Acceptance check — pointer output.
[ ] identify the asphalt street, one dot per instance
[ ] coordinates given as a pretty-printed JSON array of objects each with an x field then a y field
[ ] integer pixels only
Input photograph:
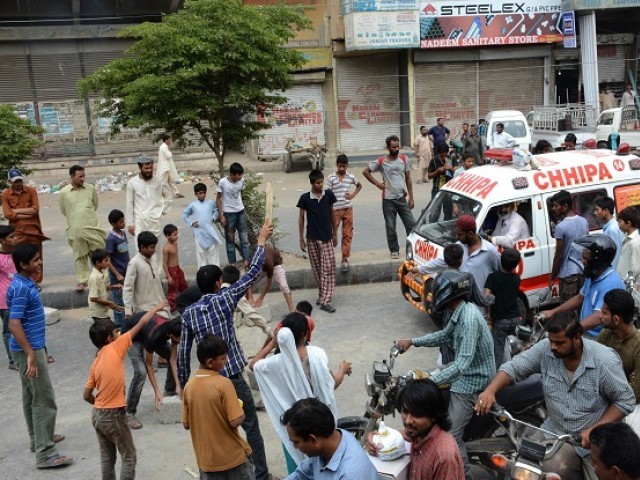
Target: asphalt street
[
  {"x": 368, "y": 318},
  {"x": 369, "y": 226}
]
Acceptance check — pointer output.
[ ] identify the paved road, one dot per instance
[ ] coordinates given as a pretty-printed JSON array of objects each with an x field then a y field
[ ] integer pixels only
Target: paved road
[
  {"x": 369, "y": 317},
  {"x": 369, "y": 226}
]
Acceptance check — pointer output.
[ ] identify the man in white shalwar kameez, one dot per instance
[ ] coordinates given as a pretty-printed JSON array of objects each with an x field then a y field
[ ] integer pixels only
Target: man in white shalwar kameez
[
  {"x": 166, "y": 170},
  {"x": 283, "y": 381},
  {"x": 147, "y": 201}
]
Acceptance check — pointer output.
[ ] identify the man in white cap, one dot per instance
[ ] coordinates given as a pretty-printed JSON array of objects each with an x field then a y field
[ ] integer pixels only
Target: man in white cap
[{"x": 147, "y": 200}]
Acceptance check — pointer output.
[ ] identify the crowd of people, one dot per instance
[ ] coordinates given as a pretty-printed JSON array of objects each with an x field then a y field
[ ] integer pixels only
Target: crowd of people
[{"x": 590, "y": 364}]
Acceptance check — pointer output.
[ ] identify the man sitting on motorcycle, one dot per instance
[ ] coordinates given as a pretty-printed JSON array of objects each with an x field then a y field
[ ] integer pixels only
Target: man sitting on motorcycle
[
  {"x": 584, "y": 386},
  {"x": 434, "y": 453},
  {"x": 474, "y": 363}
]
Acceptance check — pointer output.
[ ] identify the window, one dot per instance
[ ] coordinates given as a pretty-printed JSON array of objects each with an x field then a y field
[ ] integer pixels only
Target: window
[
  {"x": 437, "y": 222},
  {"x": 515, "y": 128},
  {"x": 606, "y": 119},
  {"x": 626, "y": 196},
  {"x": 583, "y": 205}
]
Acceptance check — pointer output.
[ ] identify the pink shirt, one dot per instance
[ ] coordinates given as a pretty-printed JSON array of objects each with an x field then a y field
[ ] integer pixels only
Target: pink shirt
[{"x": 7, "y": 270}]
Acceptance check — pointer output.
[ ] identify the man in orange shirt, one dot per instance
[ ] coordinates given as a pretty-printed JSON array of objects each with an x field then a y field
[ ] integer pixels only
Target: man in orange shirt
[{"x": 20, "y": 206}]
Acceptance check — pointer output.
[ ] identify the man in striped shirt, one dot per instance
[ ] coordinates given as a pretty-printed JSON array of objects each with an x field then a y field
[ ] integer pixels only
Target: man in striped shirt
[
  {"x": 27, "y": 344},
  {"x": 213, "y": 313},
  {"x": 340, "y": 183}
]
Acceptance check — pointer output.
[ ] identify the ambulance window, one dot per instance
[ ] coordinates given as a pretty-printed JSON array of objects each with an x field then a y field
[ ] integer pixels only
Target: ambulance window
[
  {"x": 584, "y": 205},
  {"x": 606, "y": 119},
  {"x": 626, "y": 196}
]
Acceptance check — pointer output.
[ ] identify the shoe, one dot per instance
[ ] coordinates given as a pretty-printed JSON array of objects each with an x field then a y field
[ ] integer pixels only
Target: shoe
[
  {"x": 53, "y": 462},
  {"x": 327, "y": 307},
  {"x": 318, "y": 301},
  {"x": 345, "y": 265},
  {"x": 12, "y": 366},
  {"x": 395, "y": 255},
  {"x": 260, "y": 405},
  {"x": 133, "y": 422}
]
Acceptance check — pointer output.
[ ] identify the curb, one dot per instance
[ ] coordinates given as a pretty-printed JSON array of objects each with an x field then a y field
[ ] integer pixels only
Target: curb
[{"x": 298, "y": 278}]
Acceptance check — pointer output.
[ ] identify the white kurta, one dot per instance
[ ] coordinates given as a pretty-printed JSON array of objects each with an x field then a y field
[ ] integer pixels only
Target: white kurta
[
  {"x": 166, "y": 168},
  {"x": 147, "y": 201},
  {"x": 282, "y": 382}
]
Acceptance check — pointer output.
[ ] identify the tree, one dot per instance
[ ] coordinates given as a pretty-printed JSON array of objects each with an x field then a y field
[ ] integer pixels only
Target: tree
[
  {"x": 202, "y": 73},
  {"x": 18, "y": 139}
]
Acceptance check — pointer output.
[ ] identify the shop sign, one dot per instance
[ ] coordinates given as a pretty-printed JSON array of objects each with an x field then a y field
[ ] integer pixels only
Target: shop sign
[
  {"x": 569, "y": 30},
  {"x": 315, "y": 58},
  {"x": 598, "y": 4},
  {"x": 472, "y": 23},
  {"x": 349, "y": 6},
  {"x": 381, "y": 30}
]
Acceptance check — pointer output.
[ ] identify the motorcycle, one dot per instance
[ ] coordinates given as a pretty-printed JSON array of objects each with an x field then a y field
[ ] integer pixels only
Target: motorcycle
[
  {"x": 524, "y": 400},
  {"x": 523, "y": 458}
]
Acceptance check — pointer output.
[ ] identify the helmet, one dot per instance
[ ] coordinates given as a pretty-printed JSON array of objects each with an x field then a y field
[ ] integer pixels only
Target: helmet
[
  {"x": 448, "y": 286},
  {"x": 602, "y": 249},
  {"x": 590, "y": 144}
]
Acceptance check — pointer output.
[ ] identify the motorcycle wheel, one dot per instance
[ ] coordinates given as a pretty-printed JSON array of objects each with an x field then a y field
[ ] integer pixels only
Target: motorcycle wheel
[{"x": 355, "y": 425}]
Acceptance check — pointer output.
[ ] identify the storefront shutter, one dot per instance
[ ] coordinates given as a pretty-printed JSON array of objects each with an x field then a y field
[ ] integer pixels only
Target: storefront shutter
[
  {"x": 15, "y": 85},
  {"x": 446, "y": 90},
  {"x": 611, "y": 63},
  {"x": 368, "y": 101},
  {"x": 300, "y": 119}
]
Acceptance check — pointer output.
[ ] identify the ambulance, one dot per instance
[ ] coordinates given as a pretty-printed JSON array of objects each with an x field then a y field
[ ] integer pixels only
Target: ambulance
[{"x": 480, "y": 191}]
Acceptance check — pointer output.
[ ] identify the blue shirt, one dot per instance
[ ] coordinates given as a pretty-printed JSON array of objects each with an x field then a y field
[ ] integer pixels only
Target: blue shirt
[
  {"x": 594, "y": 291},
  {"x": 598, "y": 382},
  {"x": 118, "y": 249},
  {"x": 568, "y": 230},
  {"x": 439, "y": 136},
  {"x": 213, "y": 313},
  {"x": 205, "y": 213},
  {"x": 24, "y": 304},
  {"x": 348, "y": 462},
  {"x": 612, "y": 230}
]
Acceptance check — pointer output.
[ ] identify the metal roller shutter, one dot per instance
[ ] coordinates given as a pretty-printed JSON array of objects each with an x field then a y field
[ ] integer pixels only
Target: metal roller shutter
[
  {"x": 611, "y": 63},
  {"x": 511, "y": 85},
  {"x": 448, "y": 91},
  {"x": 56, "y": 75},
  {"x": 15, "y": 84},
  {"x": 98, "y": 53},
  {"x": 368, "y": 101},
  {"x": 301, "y": 118}
]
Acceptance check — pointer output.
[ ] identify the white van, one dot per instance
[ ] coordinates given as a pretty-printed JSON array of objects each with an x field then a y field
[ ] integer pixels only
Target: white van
[
  {"x": 515, "y": 124},
  {"x": 586, "y": 174}
]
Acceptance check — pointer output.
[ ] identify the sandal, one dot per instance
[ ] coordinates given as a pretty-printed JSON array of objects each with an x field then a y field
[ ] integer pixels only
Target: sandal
[
  {"x": 57, "y": 461},
  {"x": 133, "y": 422}
]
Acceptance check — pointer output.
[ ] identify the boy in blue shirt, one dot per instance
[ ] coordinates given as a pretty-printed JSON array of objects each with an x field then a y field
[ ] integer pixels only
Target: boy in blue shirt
[
  {"x": 27, "y": 344},
  {"x": 117, "y": 246},
  {"x": 200, "y": 215}
]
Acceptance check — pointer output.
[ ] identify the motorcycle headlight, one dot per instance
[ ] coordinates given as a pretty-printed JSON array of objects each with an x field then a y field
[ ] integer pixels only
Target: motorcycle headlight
[
  {"x": 523, "y": 473},
  {"x": 368, "y": 386},
  {"x": 409, "y": 251}
]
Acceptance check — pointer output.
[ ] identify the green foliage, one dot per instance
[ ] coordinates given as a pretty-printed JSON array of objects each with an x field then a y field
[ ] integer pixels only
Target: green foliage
[
  {"x": 18, "y": 139},
  {"x": 202, "y": 72}
]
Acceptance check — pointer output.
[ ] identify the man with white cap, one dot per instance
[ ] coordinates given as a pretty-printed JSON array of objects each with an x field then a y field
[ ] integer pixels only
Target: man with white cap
[
  {"x": 147, "y": 200},
  {"x": 20, "y": 206}
]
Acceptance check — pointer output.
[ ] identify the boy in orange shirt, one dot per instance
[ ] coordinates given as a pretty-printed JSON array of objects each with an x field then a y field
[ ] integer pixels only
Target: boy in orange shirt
[
  {"x": 212, "y": 411},
  {"x": 107, "y": 377}
]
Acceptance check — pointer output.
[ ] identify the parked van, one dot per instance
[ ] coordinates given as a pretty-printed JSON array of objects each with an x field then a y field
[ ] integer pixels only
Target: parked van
[
  {"x": 515, "y": 124},
  {"x": 480, "y": 191}
]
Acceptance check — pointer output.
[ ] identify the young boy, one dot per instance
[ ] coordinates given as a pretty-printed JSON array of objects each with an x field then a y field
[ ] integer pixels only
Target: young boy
[
  {"x": 340, "y": 184},
  {"x": 273, "y": 269},
  {"x": 244, "y": 313},
  {"x": 99, "y": 306},
  {"x": 468, "y": 161},
  {"x": 200, "y": 215},
  {"x": 504, "y": 285},
  {"x": 107, "y": 377},
  {"x": 212, "y": 412},
  {"x": 171, "y": 264},
  {"x": 7, "y": 271},
  {"x": 320, "y": 237},
  {"x": 232, "y": 215},
  {"x": 117, "y": 246}
]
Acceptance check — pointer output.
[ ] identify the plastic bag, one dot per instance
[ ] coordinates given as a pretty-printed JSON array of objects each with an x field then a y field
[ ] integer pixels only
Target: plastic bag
[{"x": 391, "y": 441}]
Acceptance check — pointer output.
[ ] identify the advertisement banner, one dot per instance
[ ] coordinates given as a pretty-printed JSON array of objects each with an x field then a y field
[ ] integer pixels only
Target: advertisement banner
[
  {"x": 349, "y": 6},
  {"x": 628, "y": 196},
  {"x": 569, "y": 30},
  {"x": 373, "y": 30},
  {"x": 467, "y": 23}
]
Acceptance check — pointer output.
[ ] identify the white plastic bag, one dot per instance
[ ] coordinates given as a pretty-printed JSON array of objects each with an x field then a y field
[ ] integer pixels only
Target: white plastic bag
[
  {"x": 523, "y": 160},
  {"x": 391, "y": 442}
]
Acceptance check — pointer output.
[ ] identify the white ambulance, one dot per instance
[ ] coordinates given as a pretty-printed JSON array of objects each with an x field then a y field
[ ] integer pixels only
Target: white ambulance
[{"x": 586, "y": 174}]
